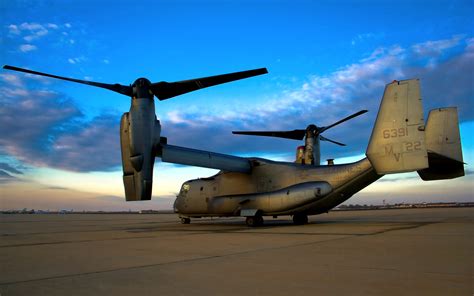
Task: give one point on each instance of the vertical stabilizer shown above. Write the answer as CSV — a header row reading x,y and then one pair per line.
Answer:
x,y
397,143
443,143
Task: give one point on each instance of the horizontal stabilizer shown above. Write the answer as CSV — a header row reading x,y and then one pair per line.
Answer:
x,y
397,143
443,143
205,159
441,168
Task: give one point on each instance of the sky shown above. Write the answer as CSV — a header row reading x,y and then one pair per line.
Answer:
x,y
59,141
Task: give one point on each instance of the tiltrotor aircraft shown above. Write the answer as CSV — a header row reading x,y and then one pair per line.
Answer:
x,y
256,187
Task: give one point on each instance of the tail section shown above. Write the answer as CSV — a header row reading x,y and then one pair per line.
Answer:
x,y
397,143
443,143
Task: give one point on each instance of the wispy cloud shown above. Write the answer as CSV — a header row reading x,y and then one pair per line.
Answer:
x,y
359,38
8,168
52,26
31,37
436,47
27,47
13,29
76,60
31,33
5,177
12,79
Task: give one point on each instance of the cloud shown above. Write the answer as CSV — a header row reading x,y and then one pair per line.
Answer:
x,y
5,178
27,47
363,37
90,146
52,26
31,27
35,35
29,120
13,29
469,172
12,79
399,177
76,60
31,33
430,48
8,168
46,129
5,175
57,188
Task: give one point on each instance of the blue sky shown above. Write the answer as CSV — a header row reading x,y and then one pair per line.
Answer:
x,y
326,59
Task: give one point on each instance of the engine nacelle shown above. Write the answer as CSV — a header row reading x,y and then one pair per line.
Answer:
x,y
139,141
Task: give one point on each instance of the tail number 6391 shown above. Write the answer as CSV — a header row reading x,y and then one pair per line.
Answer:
x,y
394,132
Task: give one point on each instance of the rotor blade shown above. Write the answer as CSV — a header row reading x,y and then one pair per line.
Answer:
x,y
322,129
326,139
165,90
294,134
121,89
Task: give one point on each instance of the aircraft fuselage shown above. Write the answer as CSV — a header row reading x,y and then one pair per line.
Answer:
x,y
274,188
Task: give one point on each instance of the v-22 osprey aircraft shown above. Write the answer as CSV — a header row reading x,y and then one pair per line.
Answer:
x,y
400,142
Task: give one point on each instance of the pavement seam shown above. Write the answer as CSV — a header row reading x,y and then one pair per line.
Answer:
x,y
169,263
71,242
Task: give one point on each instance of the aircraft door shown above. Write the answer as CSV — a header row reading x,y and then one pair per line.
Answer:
x,y
264,184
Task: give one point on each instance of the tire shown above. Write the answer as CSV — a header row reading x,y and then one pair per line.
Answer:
x,y
254,221
300,219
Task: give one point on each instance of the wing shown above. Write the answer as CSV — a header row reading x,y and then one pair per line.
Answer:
x,y
205,159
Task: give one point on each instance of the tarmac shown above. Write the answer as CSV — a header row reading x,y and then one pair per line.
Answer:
x,y
379,252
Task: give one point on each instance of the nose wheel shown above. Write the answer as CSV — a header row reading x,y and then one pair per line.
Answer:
x,y
254,221
185,220
300,219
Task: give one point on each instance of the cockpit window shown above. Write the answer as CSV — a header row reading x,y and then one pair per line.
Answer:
x,y
185,188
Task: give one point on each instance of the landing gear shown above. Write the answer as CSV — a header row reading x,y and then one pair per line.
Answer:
x,y
254,221
300,219
185,220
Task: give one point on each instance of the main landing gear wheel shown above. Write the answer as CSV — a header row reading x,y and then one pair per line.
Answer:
x,y
300,219
254,221
185,220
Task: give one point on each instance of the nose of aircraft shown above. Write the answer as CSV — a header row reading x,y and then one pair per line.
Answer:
x,y
175,205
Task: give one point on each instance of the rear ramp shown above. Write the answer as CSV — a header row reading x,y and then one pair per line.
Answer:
x,y
443,143
397,143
